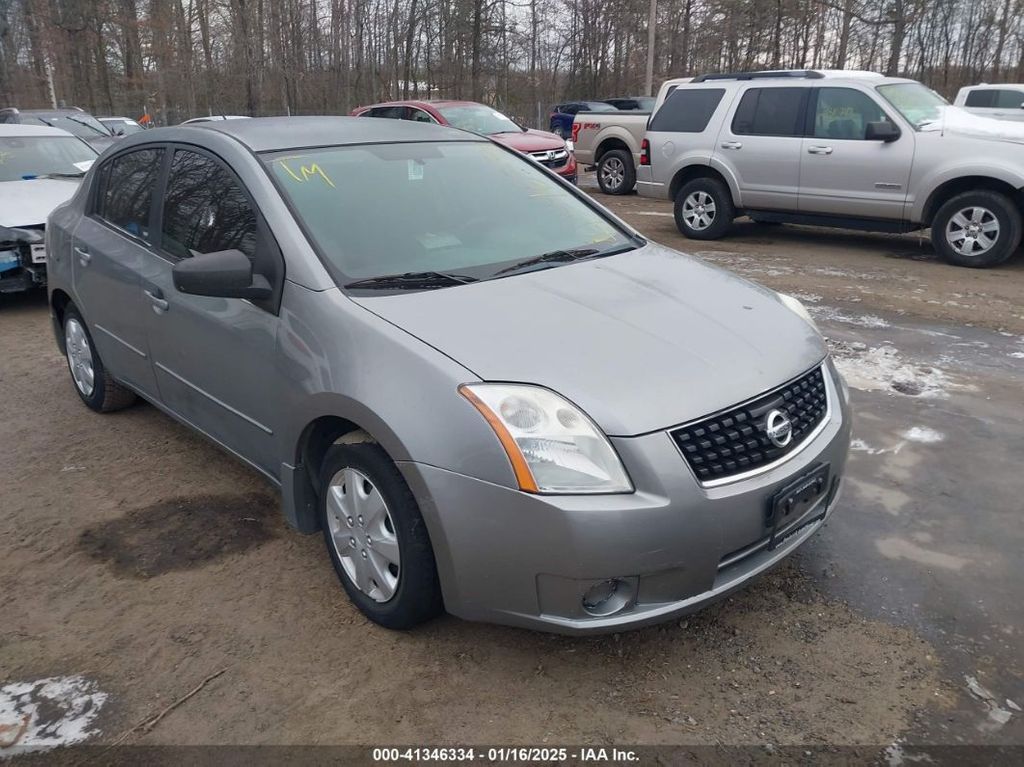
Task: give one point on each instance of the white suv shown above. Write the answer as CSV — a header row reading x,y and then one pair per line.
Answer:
x,y
844,149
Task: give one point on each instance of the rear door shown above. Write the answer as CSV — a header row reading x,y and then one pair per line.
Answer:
x,y
215,358
843,173
760,146
111,246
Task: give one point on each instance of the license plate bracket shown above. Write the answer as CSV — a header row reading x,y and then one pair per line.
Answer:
x,y
792,503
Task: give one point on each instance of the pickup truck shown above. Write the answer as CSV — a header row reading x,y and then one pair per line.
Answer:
x,y
611,141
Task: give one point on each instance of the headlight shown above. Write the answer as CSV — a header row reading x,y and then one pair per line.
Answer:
x,y
797,308
552,444
569,145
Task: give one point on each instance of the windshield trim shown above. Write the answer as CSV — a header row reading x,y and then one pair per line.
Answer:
x,y
339,278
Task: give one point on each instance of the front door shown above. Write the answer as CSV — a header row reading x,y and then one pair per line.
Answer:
x,y
761,146
111,246
214,358
843,173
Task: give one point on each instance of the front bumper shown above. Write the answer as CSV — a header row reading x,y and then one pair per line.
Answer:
x,y
510,557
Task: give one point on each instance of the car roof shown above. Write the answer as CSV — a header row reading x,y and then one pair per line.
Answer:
x,y
270,134
11,130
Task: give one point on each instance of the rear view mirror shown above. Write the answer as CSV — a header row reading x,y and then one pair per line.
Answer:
x,y
223,274
881,131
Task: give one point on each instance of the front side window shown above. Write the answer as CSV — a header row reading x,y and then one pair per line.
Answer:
x,y
467,208
33,156
918,105
419,116
127,182
1007,99
770,112
205,209
687,110
844,113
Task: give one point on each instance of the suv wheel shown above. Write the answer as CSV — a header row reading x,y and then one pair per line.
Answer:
x,y
704,209
977,229
615,172
94,384
558,131
376,537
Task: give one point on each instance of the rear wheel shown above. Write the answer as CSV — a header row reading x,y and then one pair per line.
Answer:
x,y
615,172
92,381
977,229
704,209
376,537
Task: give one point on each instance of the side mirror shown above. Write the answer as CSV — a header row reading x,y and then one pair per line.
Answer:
x,y
881,131
224,274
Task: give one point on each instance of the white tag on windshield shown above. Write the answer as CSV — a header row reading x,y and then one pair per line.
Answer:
x,y
415,170
84,165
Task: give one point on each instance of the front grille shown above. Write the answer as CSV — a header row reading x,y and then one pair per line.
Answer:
x,y
735,441
554,158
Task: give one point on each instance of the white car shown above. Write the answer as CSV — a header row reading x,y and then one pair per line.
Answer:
x,y
40,168
1003,102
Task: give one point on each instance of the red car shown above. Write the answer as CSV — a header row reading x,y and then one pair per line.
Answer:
x,y
546,148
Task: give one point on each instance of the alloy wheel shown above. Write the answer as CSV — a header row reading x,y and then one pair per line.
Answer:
x,y
972,231
613,173
699,210
80,357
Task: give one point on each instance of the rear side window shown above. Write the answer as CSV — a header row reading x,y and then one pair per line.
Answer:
x,y
205,209
126,185
770,112
687,110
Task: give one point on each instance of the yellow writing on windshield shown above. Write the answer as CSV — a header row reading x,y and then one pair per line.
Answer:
x,y
306,172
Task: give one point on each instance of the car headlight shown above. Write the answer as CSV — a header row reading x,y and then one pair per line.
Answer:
x,y
569,145
797,308
553,446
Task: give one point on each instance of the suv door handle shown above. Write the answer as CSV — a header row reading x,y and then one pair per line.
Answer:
x,y
819,149
156,297
83,256
731,145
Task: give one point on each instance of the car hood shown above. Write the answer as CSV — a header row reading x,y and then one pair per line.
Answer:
x,y
28,203
641,341
529,140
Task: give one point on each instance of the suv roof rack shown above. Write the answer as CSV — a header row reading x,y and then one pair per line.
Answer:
x,y
806,74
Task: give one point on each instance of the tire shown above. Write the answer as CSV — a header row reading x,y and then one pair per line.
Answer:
x,y
706,192
977,229
395,594
558,130
615,172
90,377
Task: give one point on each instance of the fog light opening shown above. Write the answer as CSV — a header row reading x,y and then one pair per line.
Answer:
x,y
608,597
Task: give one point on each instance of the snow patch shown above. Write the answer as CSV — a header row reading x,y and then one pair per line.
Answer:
x,y
832,314
883,368
923,434
48,713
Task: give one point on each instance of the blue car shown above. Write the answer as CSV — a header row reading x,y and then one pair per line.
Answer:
x,y
562,115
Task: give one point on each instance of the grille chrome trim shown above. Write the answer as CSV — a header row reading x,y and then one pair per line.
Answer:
x,y
830,395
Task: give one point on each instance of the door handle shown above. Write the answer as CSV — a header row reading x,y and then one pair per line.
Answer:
x,y
83,256
156,297
819,149
731,145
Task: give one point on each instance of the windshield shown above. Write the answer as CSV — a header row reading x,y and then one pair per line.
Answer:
x,y
478,118
471,209
22,156
80,124
917,103
123,127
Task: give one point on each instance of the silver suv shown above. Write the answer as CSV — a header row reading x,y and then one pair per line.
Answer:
x,y
845,149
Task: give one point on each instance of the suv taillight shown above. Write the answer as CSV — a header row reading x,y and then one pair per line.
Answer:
x,y
645,152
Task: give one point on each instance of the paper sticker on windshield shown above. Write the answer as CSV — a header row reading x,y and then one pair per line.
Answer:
x,y
415,170
84,165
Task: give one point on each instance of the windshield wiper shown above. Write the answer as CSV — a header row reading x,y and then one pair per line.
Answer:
x,y
554,257
412,281
76,174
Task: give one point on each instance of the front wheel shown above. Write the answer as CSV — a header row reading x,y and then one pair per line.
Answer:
x,y
704,209
376,537
558,130
977,229
615,172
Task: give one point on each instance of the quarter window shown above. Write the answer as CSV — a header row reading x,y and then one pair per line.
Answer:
x,y
205,209
126,186
844,113
770,112
687,110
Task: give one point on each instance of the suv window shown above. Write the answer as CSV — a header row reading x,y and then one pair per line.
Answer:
x,y
205,209
125,185
995,98
687,110
844,113
770,112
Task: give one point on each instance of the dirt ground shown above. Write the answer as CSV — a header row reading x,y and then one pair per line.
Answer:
x,y
140,560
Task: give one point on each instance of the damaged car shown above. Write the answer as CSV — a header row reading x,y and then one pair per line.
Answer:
x,y
40,168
